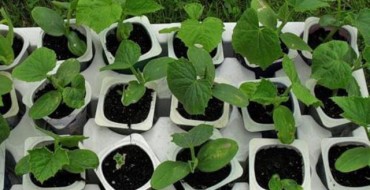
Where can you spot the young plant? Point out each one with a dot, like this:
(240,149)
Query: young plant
(276,183)
(357,110)
(120,160)
(212,156)
(100,14)
(6,41)
(5,87)
(69,84)
(266,93)
(44,162)
(193,31)
(53,24)
(126,57)
(261,45)
(192,83)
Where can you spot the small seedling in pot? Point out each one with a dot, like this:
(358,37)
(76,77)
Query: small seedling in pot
(193,31)
(120,160)
(45,162)
(100,14)
(276,183)
(126,57)
(212,156)
(5,87)
(262,45)
(53,24)
(266,93)
(192,83)
(68,83)
(6,41)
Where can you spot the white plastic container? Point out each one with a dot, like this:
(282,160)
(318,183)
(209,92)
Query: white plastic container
(2,165)
(14,109)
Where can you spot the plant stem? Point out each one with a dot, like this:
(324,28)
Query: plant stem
(193,158)
(282,25)
(138,75)
(119,26)
(331,34)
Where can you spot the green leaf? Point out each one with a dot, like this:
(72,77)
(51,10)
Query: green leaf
(362,23)
(353,159)
(23,166)
(71,141)
(169,30)
(6,85)
(207,33)
(74,96)
(49,20)
(141,7)
(77,46)
(353,89)
(157,68)
(290,184)
(133,93)
(307,5)
(124,30)
(249,88)
(333,60)
(6,51)
(294,42)
(195,137)
(45,164)
(284,12)
(202,62)
(356,109)
(284,124)
(4,129)
(290,70)
(304,95)
(45,105)
(265,14)
(67,71)
(261,46)
(81,160)
(267,94)
(329,21)
(230,94)
(127,55)
(194,10)
(168,173)
(36,66)
(216,154)
(98,14)
(193,93)
(275,183)
(10,35)
(366,53)
(61,5)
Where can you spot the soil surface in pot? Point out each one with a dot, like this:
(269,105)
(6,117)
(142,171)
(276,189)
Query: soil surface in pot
(62,111)
(214,111)
(60,45)
(7,103)
(181,50)
(202,180)
(115,111)
(288,163)
(330,108)
(136,171)
(357,178)
(317,37)
(263,114)
(139,35)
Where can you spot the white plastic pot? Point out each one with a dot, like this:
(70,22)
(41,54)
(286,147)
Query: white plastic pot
(14,109)
(2,165)
(253,126)
(312,24)
(21,56)
(143,20)
(326,144)
(33,142)
(298,145)
(100,118)
(217,59)
(134,139)
(87,187)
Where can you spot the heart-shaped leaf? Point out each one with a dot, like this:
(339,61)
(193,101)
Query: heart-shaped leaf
(49,20)
(284,124)
(133,93)
(168,173)
(74,96)
(195,137)
(45,105)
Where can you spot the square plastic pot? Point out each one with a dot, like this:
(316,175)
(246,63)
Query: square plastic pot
(326,144)
(298,145)
(11,115)
(217,59)
(134,139)
(33,142)
(253,126)
(100,118)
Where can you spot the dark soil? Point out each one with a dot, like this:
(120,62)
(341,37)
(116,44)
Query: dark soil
(137,171)
(7,104)
(182,51)
(60,45)
(357,178)
(17,45)
(202,180)
(214,111)
(115,111)
(330,108)
(284,48)
(287,163)
(317,37)
(138,35)
(261,114)
(62,111)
